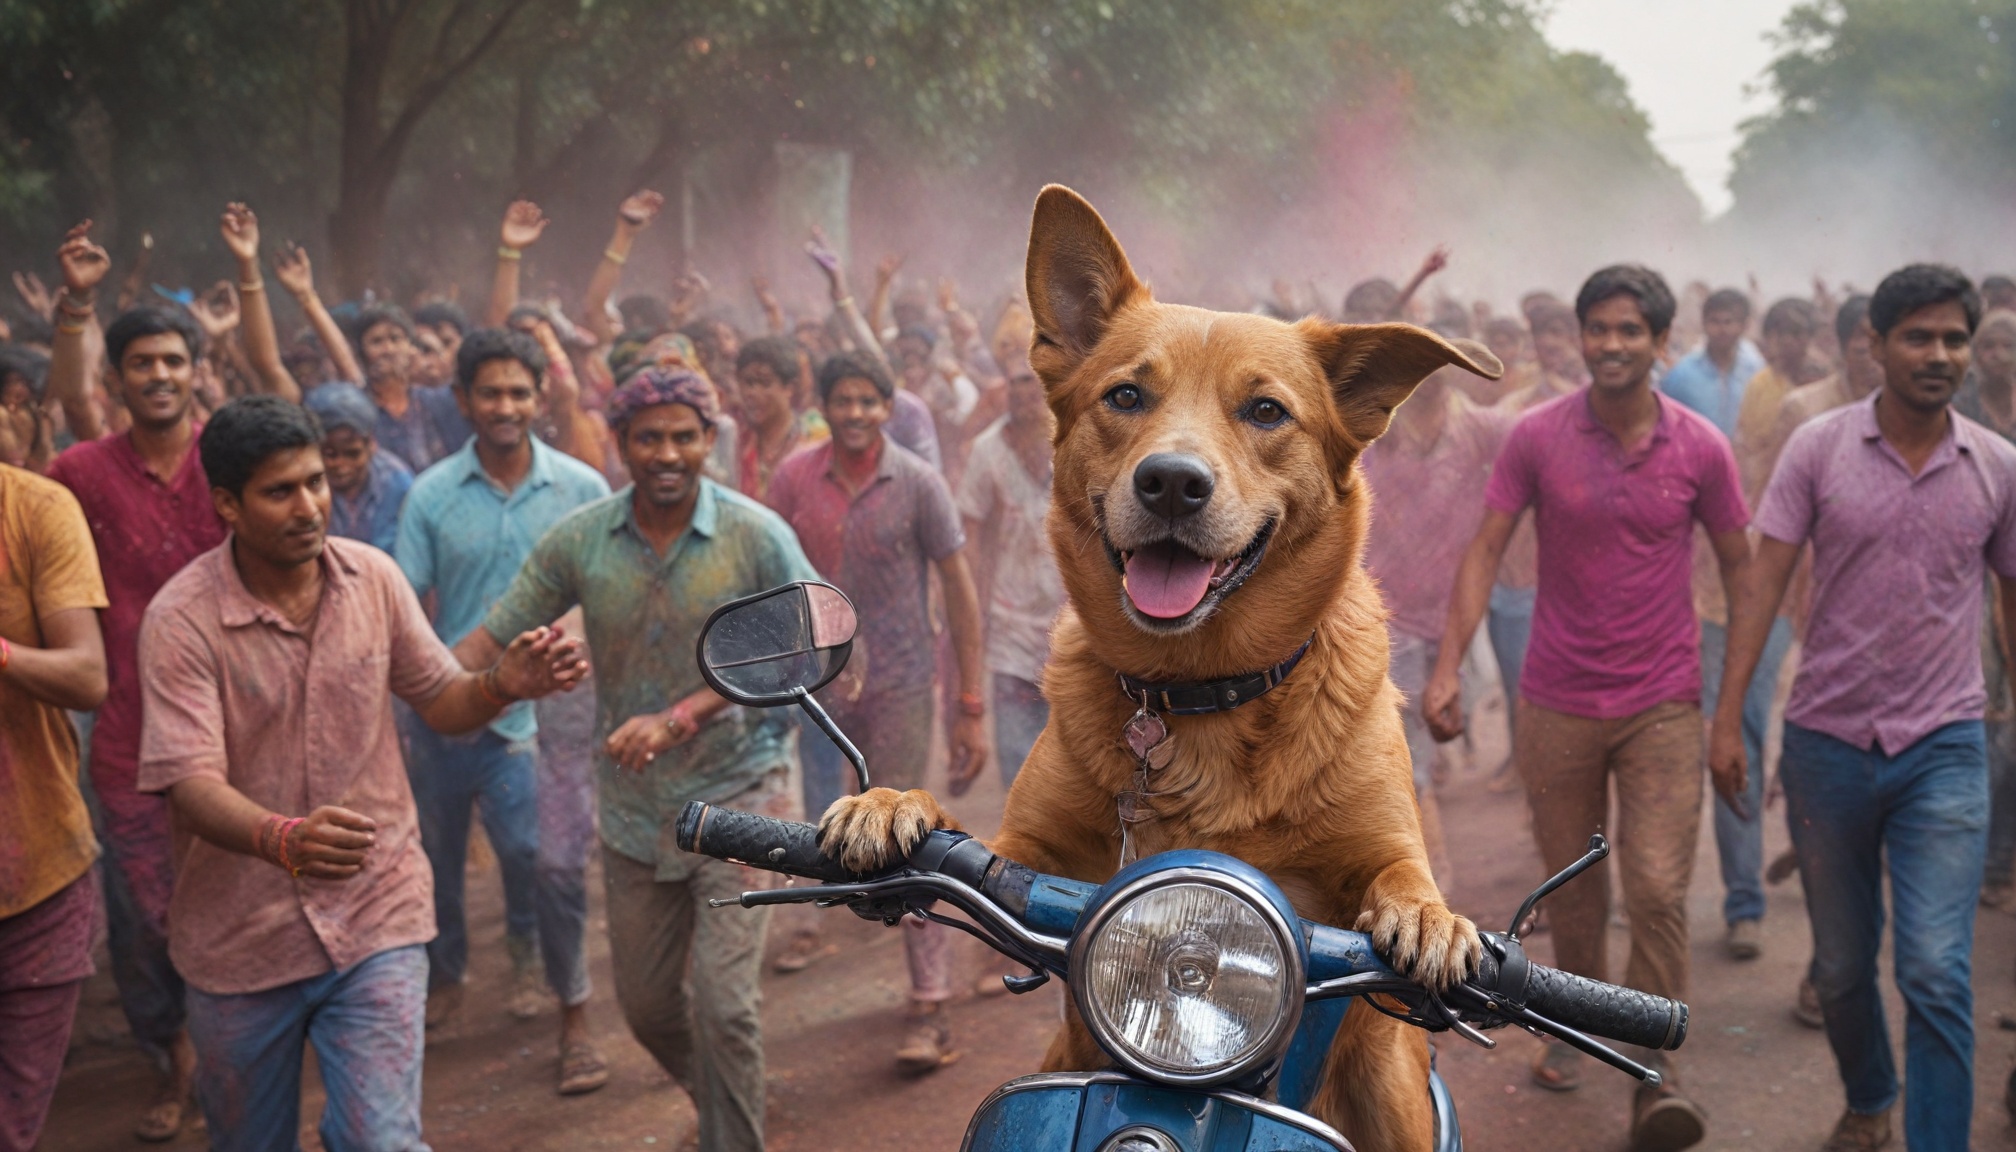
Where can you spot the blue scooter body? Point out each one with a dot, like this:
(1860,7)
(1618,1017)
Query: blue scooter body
(1084,1111)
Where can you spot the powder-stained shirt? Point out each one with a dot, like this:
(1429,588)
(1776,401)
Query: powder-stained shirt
(1613,628)
(1026,590)
(910,424)
(643,614)
(463,538)
(294,718)
(146,529)
(432,427)
(47,565)
(372,513)
(877,546)
(1427,501)
(1893,648)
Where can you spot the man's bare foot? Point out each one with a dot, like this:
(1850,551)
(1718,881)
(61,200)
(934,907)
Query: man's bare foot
(175,1102)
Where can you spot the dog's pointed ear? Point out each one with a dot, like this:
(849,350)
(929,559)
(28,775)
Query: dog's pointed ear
(1373,367)
(1077,279)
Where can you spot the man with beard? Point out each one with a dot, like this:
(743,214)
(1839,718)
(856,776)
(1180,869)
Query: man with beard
(1909,507)
(874,517)
(269,665)
(147,501)
(647,566)
(419,423)
(468,525)
(1616,476)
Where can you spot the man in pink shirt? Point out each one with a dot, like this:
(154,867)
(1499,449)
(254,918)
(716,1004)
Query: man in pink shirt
(302,900)
(1909,506)
(1616,476)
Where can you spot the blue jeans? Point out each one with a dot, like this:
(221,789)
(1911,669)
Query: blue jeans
(1510,626)
(1020,712)
(1926,811)
(367,1023)
(449,774)
(1740,841)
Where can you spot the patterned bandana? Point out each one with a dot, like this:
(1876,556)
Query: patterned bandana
(653,386)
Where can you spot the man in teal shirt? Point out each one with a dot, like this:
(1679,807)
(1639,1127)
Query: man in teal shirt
(647,566)
(468,523)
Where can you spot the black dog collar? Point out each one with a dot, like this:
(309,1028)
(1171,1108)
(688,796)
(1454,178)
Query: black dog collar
(1211,695)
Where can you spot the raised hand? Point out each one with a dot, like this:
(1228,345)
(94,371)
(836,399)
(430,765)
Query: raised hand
(240,229)
(640,208)
(292,269)
(217,310)
(84,264)
(948,295)
(760,284)
(523,225)
(886,268)
(1436,261)
(34,293)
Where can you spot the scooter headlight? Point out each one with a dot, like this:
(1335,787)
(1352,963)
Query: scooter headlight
(1189,976)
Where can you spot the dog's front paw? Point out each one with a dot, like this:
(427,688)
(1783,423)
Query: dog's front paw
(879,827)
(1423,940)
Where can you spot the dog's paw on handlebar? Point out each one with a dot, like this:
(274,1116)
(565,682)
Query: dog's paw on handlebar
(1423,940)
(880,827)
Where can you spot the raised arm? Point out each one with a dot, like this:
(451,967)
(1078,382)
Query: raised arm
(1436,261)
(632,216)
(836,285)
(84,265)
(572,432)
(1442,700)
(536,663)
(773,312)
(523,224)
(262,346)
(878,301)
(297,276)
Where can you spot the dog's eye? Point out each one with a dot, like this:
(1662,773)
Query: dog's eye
(1125,397)
(1266,413)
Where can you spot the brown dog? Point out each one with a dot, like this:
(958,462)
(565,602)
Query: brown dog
(1208,516)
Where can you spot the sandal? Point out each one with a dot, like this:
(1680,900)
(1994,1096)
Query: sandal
(1559,1069)
(801,953)
(582,1069)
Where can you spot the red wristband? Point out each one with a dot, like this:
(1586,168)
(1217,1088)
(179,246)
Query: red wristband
(972,705)
(6,652)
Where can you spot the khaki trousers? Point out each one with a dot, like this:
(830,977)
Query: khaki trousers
(688,978)
(1567,763)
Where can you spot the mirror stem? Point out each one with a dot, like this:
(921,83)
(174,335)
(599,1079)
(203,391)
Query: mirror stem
(813,709)
(1598,849)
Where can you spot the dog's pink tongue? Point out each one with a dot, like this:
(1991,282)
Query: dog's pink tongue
(1167,580)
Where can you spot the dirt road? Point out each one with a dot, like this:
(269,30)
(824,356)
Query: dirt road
(1767,1082)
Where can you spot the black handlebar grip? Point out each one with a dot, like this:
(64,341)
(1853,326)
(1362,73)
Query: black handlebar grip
(1625,1015)
(759,841)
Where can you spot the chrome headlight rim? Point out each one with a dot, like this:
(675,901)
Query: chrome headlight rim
(1288,936)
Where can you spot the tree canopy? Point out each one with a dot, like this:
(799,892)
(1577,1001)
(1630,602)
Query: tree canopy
(393,131)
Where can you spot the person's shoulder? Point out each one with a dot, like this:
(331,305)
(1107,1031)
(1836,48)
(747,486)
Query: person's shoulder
(1984,441)
(740,510)
(82,459)
(438,479)
(800,462)
(192,593)
(390,466)
(1548,414)
(1691,424)
(598,515)
(365,560)
(576,474)
(36,493)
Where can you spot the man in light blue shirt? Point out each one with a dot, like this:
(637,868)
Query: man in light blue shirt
(1711,379)
(469,523)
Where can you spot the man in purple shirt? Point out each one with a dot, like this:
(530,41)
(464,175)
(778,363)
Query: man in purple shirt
(1616,476)
(1908,505)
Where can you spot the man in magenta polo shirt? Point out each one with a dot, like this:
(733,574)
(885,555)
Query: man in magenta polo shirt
(147,501)
(1908,505)
(1616,476)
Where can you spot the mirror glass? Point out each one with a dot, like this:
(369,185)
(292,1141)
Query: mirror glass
(793,637)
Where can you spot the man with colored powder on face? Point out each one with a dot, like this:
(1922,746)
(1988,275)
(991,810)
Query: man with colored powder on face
(302,897)
(1910,508)
(147,501)
(52,660)
(367,486)
(647,566)
(1617,476)
(874,517)
(468,525)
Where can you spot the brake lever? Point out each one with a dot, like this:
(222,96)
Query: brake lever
(1586,1045)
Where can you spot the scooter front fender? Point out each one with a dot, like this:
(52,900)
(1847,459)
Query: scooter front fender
(1085,1111)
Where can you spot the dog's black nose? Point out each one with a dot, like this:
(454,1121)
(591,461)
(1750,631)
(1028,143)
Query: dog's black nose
(1172,484)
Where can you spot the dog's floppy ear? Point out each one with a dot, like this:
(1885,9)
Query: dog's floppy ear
(1373,367)
(1078,278)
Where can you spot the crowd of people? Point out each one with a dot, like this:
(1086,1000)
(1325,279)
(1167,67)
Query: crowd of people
(281,612)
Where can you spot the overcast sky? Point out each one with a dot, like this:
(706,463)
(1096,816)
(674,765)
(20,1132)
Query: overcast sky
(1689,64)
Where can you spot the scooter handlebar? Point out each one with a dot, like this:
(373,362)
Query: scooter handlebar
(1625,1015)
(764,842)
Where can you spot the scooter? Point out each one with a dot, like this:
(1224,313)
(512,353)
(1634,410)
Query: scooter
(1216,1003)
